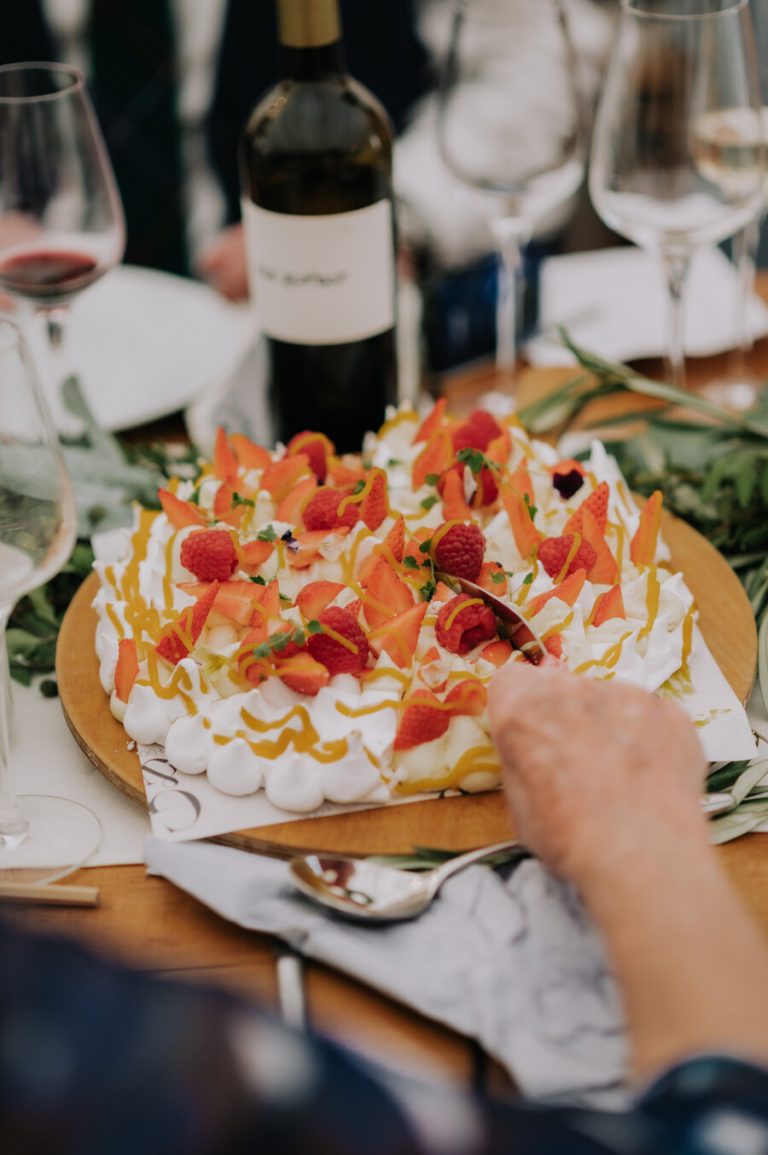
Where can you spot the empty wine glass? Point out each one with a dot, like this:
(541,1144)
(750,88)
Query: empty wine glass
(61,221)
(511,131)
(678,159)
(40,836)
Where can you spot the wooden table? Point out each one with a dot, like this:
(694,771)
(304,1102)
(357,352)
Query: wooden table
(150,924)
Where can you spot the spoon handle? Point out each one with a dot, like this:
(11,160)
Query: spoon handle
(454,865)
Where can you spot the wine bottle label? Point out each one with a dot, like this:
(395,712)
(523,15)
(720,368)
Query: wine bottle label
(322,280)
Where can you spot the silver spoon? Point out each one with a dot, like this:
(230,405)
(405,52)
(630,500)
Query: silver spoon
(373,893)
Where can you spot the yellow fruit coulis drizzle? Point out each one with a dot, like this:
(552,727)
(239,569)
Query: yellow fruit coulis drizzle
(306,740)
(478,759)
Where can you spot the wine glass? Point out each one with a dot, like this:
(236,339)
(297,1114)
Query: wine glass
(61,221)
(512,132)
(678,158)
(40,835)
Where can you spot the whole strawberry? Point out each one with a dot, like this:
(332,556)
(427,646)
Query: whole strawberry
(341,646)
(322,511)
(210,555)
(459,550)
(554,552)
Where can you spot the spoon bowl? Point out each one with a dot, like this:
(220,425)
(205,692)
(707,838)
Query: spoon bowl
(370,892)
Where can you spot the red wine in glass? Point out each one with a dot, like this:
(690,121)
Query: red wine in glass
(48,275)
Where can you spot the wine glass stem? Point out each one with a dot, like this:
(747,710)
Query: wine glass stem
(13,825)
(56,323)
(745,245)
(676,270)
(510,237)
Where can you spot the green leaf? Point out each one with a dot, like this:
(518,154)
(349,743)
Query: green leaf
(267,534)
(314,627)
(238,500)
(258,580)
(428,502)
(432,478)
(409,561)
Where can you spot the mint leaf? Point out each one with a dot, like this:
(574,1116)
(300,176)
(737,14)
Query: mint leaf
(409,561)
(425,546)
(259,580)
(498,578)
(428,502)
(432,478)
(267,534)
(314,627)
(527,579)
(238,500)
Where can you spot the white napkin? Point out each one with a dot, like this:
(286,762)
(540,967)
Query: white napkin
(510,962)
(45,759)
(614,301)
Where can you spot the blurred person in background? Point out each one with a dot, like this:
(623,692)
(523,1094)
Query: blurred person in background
(173,82)
(97,1060)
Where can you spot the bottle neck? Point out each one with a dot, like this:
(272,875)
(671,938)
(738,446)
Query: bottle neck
(310,39)
(312,63)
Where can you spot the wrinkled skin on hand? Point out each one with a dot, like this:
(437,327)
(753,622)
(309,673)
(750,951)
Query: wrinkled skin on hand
(596,773)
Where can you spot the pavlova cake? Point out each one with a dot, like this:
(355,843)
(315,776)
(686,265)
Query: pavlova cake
(280,622)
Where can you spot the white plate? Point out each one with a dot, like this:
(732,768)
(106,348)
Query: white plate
(145,343)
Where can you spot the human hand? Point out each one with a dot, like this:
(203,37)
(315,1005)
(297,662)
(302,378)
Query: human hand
(224,266)
(597,774)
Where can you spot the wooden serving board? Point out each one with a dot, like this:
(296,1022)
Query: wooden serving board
(726,621)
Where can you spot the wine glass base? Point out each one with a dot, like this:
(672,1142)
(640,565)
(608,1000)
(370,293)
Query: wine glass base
(61,837)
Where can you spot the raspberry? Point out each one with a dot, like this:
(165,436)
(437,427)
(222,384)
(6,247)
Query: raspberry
(460,550)
(422,721)
(553,554)
(334,655)
(464,623)
(314,446)
(477,432)
(597,504)
(322,510)
(210,555)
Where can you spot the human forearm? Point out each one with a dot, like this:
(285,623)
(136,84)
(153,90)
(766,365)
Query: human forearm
(692,965)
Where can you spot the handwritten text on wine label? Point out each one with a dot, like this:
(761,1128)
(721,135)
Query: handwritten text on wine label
(322,280)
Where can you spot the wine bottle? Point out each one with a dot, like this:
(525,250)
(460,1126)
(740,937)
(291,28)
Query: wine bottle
(316,162)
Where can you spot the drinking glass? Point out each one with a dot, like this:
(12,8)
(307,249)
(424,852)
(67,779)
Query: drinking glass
(512,129)
(61,221)
(40,835)
(678,159)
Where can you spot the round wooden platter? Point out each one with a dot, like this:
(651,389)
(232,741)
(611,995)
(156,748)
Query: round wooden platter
(726,621)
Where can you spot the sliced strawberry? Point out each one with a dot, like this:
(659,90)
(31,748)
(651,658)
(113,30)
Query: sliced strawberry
(341,646)
(492,577)
(497,653)
(395,539)
(127,668)
(467,697)
(291,508)
(281,477)
(178,637)
(605,570)
(249,455)
(525,533)
(399,636)
(316,447)
(412,550)
(568,592)
(432,423)
(607,606)
(180,513)
(386,595)
(253,554)
(224,460)
(451,489)
(553,644)
(303,674)
(422,720)
(309,546)
(344,475)
(642,548)
(238,600)
(225,508)
(464,623)
(436,456)
(597,504)
(315,596)
(374,507)
(500,448)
